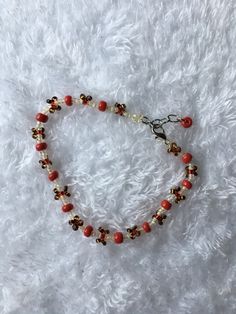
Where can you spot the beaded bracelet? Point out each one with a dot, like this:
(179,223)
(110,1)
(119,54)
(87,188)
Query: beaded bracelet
(101,234)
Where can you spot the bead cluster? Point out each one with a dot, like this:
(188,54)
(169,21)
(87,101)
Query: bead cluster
(61,193)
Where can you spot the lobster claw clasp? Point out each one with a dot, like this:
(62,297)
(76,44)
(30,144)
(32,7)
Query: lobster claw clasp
(156,127)
(158,131)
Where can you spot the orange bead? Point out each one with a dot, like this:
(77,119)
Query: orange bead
(102,106)
(67,207)
(186,158)
(68,100)
(118,237)
(186,122)
(40,146)
(41,117)
(166,204)
(88,230)
(146,226)
(187,184)
(53,175)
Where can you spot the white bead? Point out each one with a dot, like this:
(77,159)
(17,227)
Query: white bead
(110,108)
(49,168)
(46,110)
(135,117)
(43,154)
(153,221)
(63,200)
(61,101)
(139,118)
(56,185)
(191,178)
(74,101)
(161,211)
(171,197)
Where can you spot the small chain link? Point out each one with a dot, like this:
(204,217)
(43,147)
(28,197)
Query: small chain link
(174,118)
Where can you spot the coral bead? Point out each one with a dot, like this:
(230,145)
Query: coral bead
(166,204)
(186,122)
(186,158)
(68,100)
(41,146)
(146,227)
(88,230)
(67,207)
(102,106)
(41,117)
(118,237)
(187,184)
(53,175)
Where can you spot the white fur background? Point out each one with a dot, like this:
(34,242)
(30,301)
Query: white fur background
(158,57)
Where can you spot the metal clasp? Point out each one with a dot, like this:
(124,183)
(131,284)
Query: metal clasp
(156,125)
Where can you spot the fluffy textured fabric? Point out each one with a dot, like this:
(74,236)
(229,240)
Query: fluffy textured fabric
(157,57)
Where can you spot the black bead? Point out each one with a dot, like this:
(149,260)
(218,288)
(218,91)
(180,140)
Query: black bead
(82,96)
(75,227)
